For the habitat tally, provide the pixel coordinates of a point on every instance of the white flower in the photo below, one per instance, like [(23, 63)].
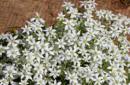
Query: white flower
[(69, 24), (127, 58), (55, 83), (41, 37), (23, 82), (87, 15), (10, 72), (100, 14), (73, 78), (90, 4), (93, 49), (2, 49), (39, 68), (4, 36), (61, 43), (68, 5), (54, 72), (12, 40), (50, 32), (40, 81), (26, 72), (61, 16), (13, 52), (128, 30), (36, 23), (4, 82), (72, 51), (26, 29), (73, 13), (46, 49)]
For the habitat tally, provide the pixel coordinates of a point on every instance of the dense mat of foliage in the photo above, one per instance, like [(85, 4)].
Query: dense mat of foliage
[(84, 47)]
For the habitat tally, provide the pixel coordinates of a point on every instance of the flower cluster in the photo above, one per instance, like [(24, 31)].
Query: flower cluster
[(85, 47)]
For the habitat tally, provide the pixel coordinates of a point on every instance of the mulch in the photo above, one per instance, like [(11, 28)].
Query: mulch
[(15, 13)]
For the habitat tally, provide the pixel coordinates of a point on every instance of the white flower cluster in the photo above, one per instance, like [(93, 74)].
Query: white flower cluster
[(84, 47)]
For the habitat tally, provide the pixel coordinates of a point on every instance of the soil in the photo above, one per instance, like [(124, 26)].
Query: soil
[(15, 13), (117, 6)]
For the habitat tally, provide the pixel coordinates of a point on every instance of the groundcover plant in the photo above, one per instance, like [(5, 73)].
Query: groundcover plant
[(85, 47)]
